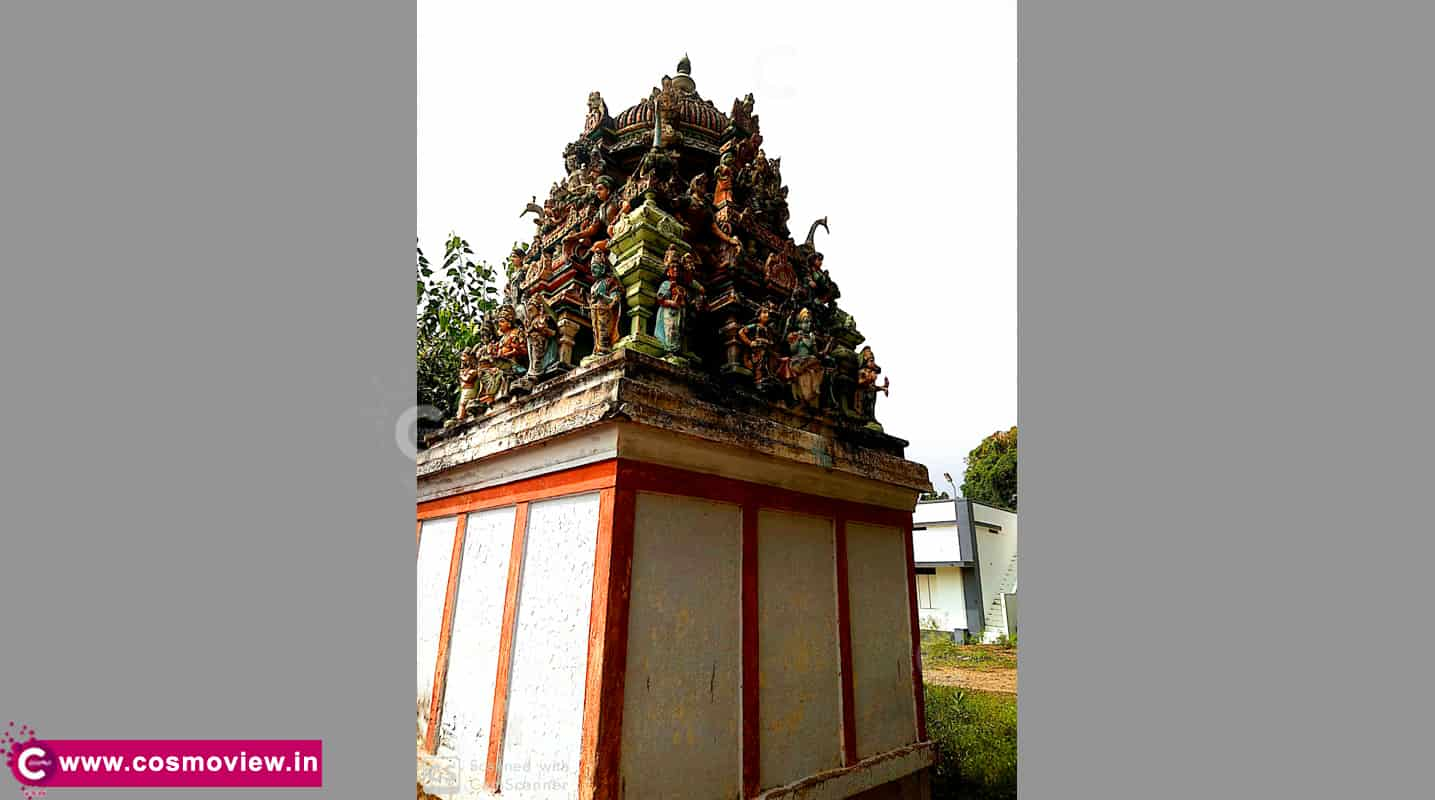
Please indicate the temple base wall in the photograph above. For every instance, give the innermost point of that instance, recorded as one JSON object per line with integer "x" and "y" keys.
{"x": 637, "y": 612}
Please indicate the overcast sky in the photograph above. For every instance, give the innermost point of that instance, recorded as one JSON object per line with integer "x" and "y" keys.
{"x": 898, "y": 126}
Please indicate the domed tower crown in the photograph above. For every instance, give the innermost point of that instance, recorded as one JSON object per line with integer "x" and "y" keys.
{"x": 682, "y": 107}
{"x": 684, "y": 81}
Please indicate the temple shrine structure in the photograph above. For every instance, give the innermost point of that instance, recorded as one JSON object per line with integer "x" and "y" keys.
{"x": 665, "y": 547}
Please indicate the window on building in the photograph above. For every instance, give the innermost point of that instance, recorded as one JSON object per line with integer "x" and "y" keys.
{"x": 925, "y": 577}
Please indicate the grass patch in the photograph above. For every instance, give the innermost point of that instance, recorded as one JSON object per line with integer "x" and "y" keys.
{"x": 943, "y": 652}
{"x": 975, "y": 735}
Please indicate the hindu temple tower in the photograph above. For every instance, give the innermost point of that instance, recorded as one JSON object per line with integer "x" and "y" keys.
{"x": 665, "y": 549}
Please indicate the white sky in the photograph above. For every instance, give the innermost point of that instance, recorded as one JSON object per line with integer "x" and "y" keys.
{"x": 899, "y": 126}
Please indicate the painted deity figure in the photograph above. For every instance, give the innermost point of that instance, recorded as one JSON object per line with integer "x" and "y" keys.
{"x": 515, "y": 264}
{"x": 597, "y": 112}
{"x": 542, "y": 346}
{"x": 756, "y": 336}
{"x": 576, "y": 184}
{"x": 673, "y": 303}
{"x": 724, "y": 175}
{"x": 605, "y": 304}
{"x": 865, "y": 399}
{"x": 603, "y": 211}
{"x": 820, "y": 285}
{"x": 492, "y": 380}
{"x": 510, "y": 344}
{"x": 803, "y": 366}
{"x": 692, "y": 265}
{"x": 468, "y": 374}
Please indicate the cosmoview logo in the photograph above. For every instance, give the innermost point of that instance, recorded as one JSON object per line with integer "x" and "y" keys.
{"x": 34, "y": 763}
{"x": 40, "y": 766}
{"x": 31, "y": 761}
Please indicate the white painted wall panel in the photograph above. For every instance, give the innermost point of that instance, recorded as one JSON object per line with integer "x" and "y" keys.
{"x": 550, "y": 651}
{"x": 800, "y": 690}
{"x": 682, "y": 704}
{"x": 939, "y": 543}
{"x": 473, "y": 649}
{"x": 435, "y": 553}
{"x": 942, "y": 511}
{"x": 996, "y": 550}
{"x": 885, "y": 706}
{"x": 950, "y": 610}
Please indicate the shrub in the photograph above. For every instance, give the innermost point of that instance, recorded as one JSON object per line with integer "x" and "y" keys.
{"x": 975, "y": 737}
{"x": 940, "y": 652}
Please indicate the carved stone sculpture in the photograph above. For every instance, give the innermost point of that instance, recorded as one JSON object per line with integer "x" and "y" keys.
{"x": 758, "y": 339}
{"x": 724, "y": 175}
{"x": 541, "y": 349}
{"x": 673, "y": 300}
{"x": 492, "y": 379}
{"x": 509, "y": 351}
{"x": 597, "y": 112}
{"x": 468, "y": 374}
{"x": 803, "y": 367}
{"x": 865, "y": 401}
{"x": 605, "y": 304}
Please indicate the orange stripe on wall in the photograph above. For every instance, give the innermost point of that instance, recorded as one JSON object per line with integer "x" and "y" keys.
{"x": 598, "y": 777}
{"x": 577, "y": 480}
{"x": 450, "y": 599}
{"x": 597, "y": 619}
{"x": 498, "y": 722}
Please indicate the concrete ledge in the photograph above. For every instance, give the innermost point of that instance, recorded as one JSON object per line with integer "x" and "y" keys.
{"x": 867, "y": 774}
{"x": 639, "y": 390}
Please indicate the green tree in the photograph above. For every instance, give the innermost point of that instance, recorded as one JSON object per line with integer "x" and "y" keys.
{"x": 451, "y": 308}
{"x": 991, "y": 470}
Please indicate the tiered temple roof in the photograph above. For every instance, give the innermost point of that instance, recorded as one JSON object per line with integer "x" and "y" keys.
{"x": 668, "y": 235}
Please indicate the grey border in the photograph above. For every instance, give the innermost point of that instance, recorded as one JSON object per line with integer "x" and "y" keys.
{"x": 1224, "y": 290}
{"x": 208, "y": 221}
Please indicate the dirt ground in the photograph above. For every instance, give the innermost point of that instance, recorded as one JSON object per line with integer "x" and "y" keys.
{"x": 983, "y": 667}
{"x": 1002, "y": 681}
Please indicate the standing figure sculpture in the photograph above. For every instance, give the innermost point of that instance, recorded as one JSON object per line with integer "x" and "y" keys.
{"x": 692, "y": 265}
{"x": 672, "y": 303}
{"x": 757, "y": 338}
{"x": 511, "y": 346}
{"x": 865, "y": 401}
{"x": 803, "y": 367}
{"x": 542, "y": 349}
{"x": 492, "y": 381}
{"x": 605, "y": 304}
{"x": 515, "y": 271}
{"x": 602, "y": 211}
{"x": 724, "y": 175}
{"x": 467, "y": 386}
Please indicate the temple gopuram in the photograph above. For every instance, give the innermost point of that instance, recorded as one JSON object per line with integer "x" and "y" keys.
{"x": 665, "y": 548}
{"x": 669, "y": 236}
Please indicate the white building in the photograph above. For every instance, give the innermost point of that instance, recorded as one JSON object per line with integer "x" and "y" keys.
{"x": 965, "y": 554}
